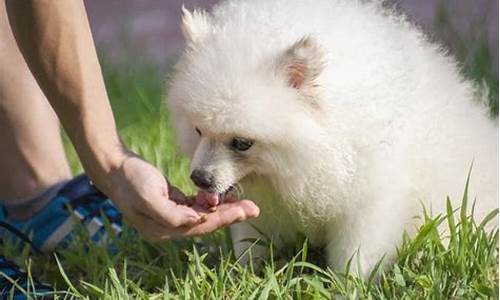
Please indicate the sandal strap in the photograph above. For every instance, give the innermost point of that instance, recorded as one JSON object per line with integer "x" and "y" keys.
{"x": 15, "y": 284}
{"x": 78, "y": 202}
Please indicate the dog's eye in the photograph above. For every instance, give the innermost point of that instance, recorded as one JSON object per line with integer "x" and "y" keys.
{"x": 241, "y": 144}
{"x": 198, "y": 131}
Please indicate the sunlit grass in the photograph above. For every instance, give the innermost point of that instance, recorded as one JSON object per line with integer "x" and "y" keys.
{"x": 465, "y": 266}
{"x": 459, "y": 263}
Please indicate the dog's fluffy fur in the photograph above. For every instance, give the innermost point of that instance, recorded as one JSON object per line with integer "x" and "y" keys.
{"x": 357, "y": 119}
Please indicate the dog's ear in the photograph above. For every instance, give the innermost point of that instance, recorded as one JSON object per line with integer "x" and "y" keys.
{"x": 194, "y": 24}
{"x": 302, "y": 63}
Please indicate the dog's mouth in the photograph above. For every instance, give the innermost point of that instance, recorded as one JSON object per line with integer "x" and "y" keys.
{"x": 213, "y": 198}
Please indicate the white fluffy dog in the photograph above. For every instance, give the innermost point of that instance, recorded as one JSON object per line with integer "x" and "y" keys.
{"x": 338, "y": 117}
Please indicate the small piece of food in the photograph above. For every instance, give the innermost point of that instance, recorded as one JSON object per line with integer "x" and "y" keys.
{"x": 203, "y": 218}
{"x": 212, "y": 208}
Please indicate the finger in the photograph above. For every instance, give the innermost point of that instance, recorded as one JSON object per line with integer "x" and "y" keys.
{"x": 226, "y": 214}
{"x": 171, "y": 214}
{"x": 181, "y": 215}
{"x": 230, "y": 198}
{"x": 150, "y": 229}
{"x": 176, "y": 195}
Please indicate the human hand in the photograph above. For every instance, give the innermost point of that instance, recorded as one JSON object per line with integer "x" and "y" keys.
{"x": 160, "y": 211}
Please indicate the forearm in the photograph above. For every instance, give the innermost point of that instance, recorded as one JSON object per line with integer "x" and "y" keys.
{"x": 55, "y": 39}
{"x": 56, "y": 42}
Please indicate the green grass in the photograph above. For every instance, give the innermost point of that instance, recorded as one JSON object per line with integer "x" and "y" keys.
{"x": 463, "y": 264}
{"x": 203, "y": 268}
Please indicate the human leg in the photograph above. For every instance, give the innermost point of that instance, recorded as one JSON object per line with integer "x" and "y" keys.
{"x": 32, "y": 157}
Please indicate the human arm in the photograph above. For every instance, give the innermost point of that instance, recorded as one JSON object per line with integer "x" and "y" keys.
{"x": 56, "y": 42}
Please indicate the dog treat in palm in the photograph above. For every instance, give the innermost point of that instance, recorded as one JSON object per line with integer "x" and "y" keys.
{"x": 203, "y": 217}
{"x": 212, "y": 209}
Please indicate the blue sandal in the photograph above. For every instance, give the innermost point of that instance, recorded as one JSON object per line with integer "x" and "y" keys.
{"x": 78, "y": 202}
{"x": 15, "y": 284}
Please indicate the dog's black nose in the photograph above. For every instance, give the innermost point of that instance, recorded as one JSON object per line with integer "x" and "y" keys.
{"x": 203, "y": 179}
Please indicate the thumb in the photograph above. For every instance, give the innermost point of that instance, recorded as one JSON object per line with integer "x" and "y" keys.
{"x": 172, "y": 214}
{"x": 226, "y": 214}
